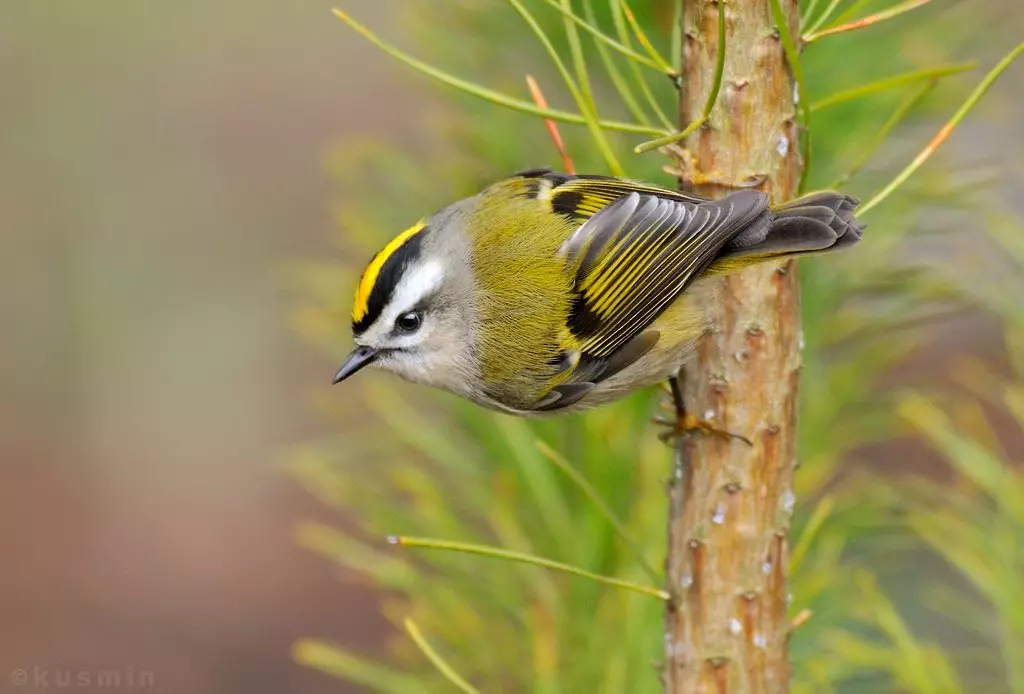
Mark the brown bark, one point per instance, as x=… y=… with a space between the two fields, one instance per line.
x=730 y=503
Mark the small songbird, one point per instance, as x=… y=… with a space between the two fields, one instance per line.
x=552 y=293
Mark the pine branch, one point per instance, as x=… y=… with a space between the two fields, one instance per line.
x=730 y=503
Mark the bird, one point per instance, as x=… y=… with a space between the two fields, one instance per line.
x=550 y=293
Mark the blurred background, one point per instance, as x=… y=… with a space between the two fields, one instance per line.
x=186 y=190
x=160 y=164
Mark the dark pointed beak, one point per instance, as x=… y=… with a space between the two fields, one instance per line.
x=360 y=357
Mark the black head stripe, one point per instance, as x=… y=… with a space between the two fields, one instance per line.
x=390 y=274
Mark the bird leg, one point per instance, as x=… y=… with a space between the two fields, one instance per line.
x=685 y=424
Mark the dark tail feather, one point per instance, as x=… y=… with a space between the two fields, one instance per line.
x=812 y=224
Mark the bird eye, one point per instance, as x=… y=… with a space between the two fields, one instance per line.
x=409 y=322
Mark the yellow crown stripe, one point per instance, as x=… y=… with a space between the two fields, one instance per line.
x=369 y=278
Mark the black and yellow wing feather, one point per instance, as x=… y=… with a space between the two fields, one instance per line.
x=636 y=251
x=579 y=197
x=638 y=254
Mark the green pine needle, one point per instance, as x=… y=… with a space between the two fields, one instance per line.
x=623 y=31
x=709 y=104
x=434 y=657
x=509 y=555
x=891 y=83
x=867 y=151
x=641 y=37
x=584 y=103
x=495 y=97
x=344 y=665
x=614 y=74
x=945 y=131
x=588 y=489
x=602 y=38
x=840 y=26
x=822 y=18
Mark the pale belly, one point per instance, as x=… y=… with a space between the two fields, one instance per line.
x=679 y=326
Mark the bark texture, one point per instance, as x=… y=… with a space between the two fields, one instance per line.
x=730 y=503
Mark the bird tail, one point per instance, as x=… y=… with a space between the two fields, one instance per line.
x=814 y=223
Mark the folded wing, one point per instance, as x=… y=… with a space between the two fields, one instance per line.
x=630 y=260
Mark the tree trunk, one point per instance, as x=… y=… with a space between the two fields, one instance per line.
x=730 y=503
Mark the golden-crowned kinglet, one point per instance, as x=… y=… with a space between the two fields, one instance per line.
x=548 y=292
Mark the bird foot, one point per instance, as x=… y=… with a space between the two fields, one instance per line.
x=683 y=424
x=687 y=425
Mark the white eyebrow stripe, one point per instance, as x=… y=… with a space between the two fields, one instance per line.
x=418 y=282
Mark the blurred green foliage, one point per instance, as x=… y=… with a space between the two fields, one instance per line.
x=428 y=464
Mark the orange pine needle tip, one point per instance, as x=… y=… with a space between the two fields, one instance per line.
x=945 y=131
x=866 y=21
x=802 y=617
x=556 y=136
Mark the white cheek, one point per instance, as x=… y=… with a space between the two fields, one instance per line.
x=409 y=365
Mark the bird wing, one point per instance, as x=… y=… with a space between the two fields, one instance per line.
x=581 y=196
x=630 y=260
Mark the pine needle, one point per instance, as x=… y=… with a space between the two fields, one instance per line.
x=434 y=657
x=491 y=95
x=891 y=83
x=497 y=553
x=946 y=130
x=863 y=22
x=556 y=137
x=709 y=104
